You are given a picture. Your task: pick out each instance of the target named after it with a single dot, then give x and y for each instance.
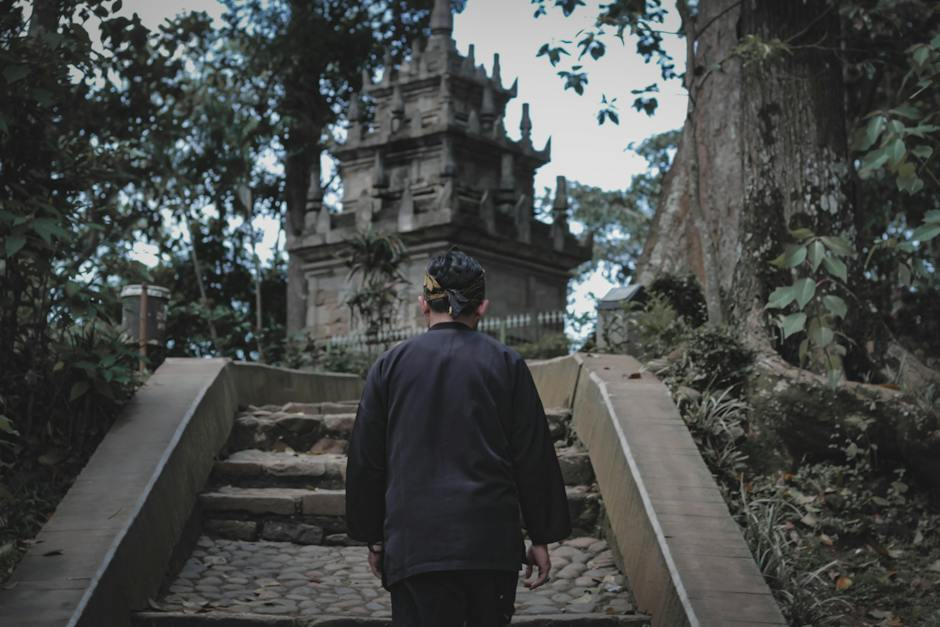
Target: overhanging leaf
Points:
(781, 297)
(13, 73)
(838, 245)
(12, 244)
(792, 323)
(816, 253)
(792, 256)
(78, 390)
(804, 290)
(835, 305)
(836, 267)
(926, 232)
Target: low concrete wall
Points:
(683, 553)
(556, 380)
(106, 549)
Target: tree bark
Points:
(763, 149)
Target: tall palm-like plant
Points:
(376, 260)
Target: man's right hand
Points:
(537, 556)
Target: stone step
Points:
(225, 619)
(298, 431)
(242, 513)
(304, 427)
(257, 468)
(277, 514)
(559, 423)
(575, 463)
(227, 582)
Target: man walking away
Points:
(450, 442)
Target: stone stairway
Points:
(274, 549)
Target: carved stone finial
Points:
(507, 178)
(488, 212)
(323, 221)
(499, 129)
(525, 125)
(446, 197)
(397, 109)
(473, 123)
(497, 78)
(469, 63)
(415, 66)
(523, 216)
(488, 107)
(442, 20)
(354, 112)
(387, 71)
(379, 178)
(560, 213)
(314, 202)
(364, 211)
(406, 210)
(448, 164)
(447, 113)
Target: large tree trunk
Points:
(763, 149)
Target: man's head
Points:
(454, 288)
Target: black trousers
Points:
(461, 598)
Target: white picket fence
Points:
(512, 329)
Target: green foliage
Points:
(812, 304)
(376, 260)
(684, 294)
(546, 347)
(617, 19)
(714, 357)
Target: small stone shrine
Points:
(435, 165)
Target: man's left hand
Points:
(375, 563)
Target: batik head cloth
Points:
(457, 277)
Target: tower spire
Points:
(442, 20)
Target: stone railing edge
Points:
(676, 577)
(118, 535)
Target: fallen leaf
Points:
(843, 583)
(52, 552)
(809, 520)
(635, 375)
(825, 539)
(935, 567)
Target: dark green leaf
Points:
(12, 244)
(923, 151)
(816, 253)
(865, 138)
(835, 305)
(792, 323)
(836, 267)
(13, 73)
(792, 256)
(819, 334)
(781, 297)
(804, 289)
(837, 244)
(78, 390)
(926, 232)
(802, 233)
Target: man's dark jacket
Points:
(450, 440)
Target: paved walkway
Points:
(281, 578)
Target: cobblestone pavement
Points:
(285, 579)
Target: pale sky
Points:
(582, 150)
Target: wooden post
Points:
(142, 327)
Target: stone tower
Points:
(435, 165)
